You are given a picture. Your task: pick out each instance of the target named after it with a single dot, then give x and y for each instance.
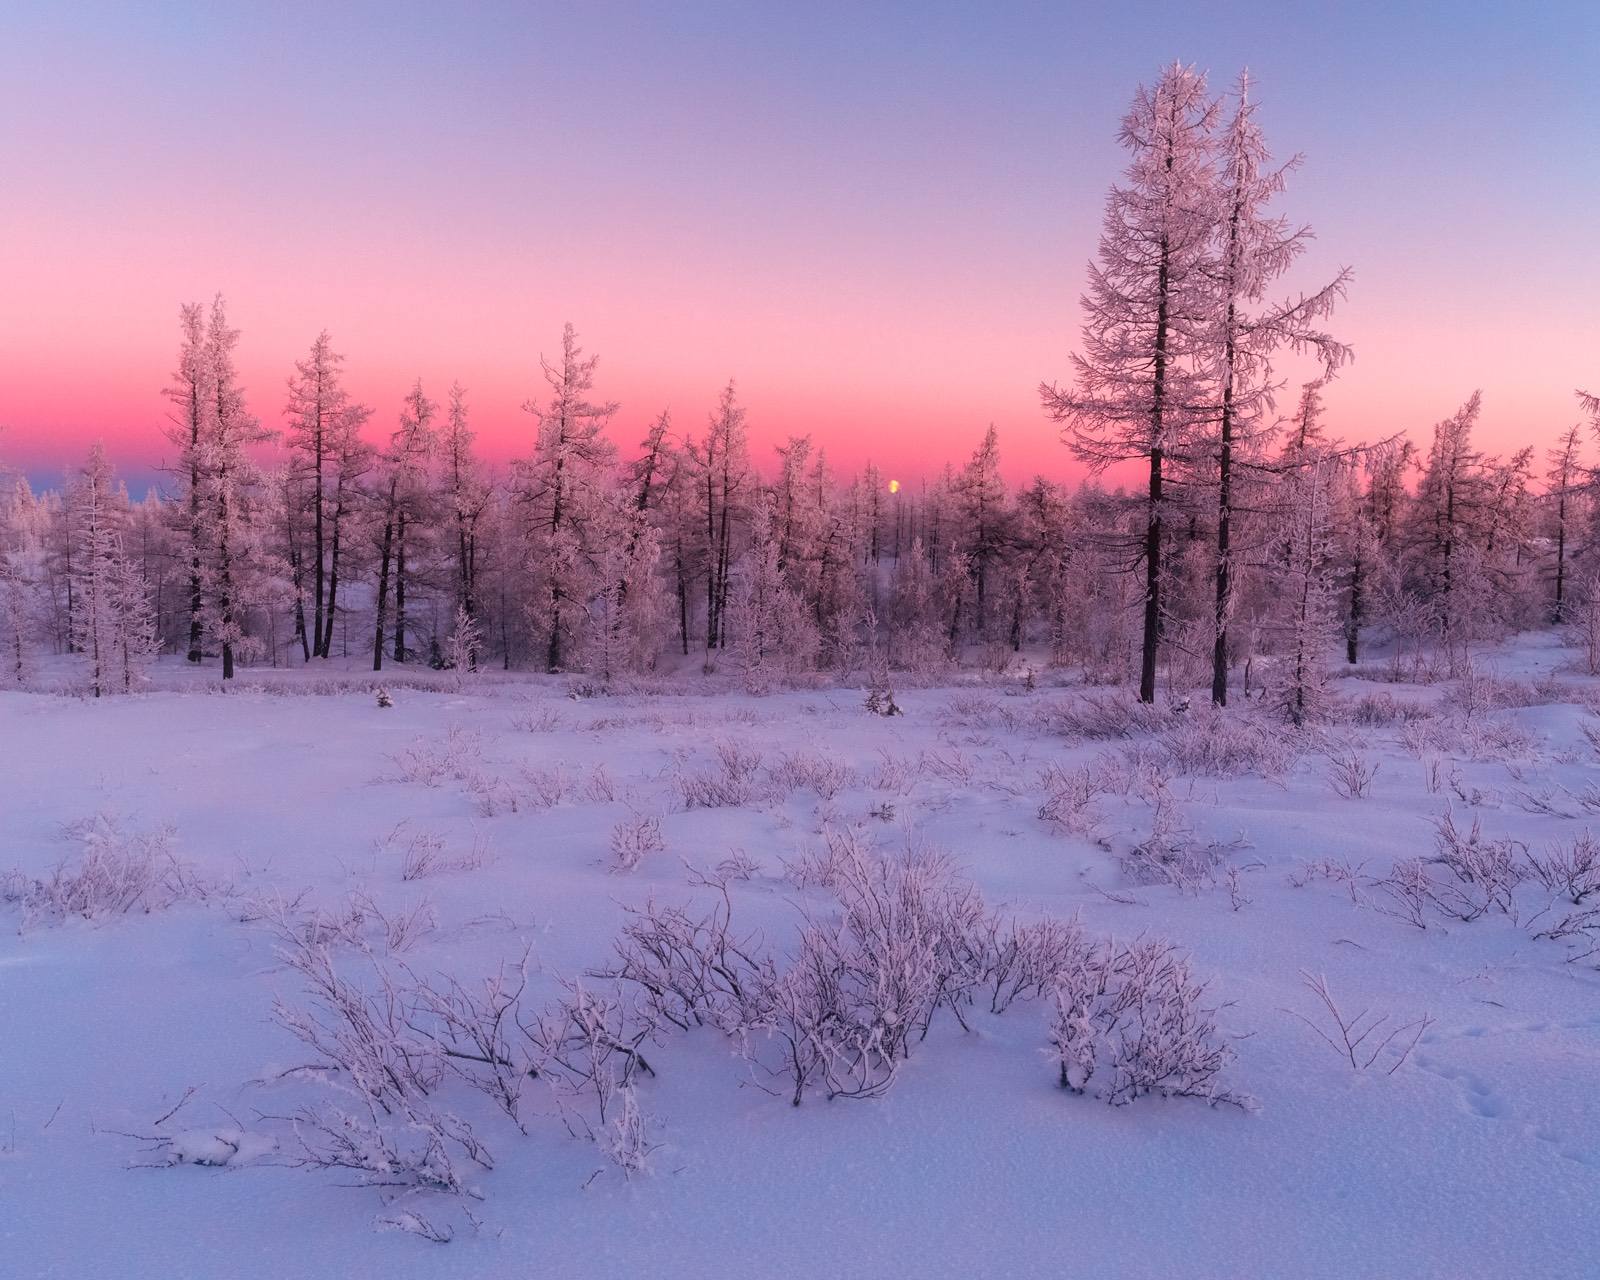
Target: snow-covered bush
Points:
(1100, 717)
(1379, 710)
(1572, 870)
(1173, 853)
(909, 936)
(1350, 773)
(1216, 744)
(1484, 872)
(811, 771)
(379, 1119)
(588, 1045)
(730, 784)
(1132, 1019)
(118, 872)
(1362, 1038)
(635, 836)
(1070, 799)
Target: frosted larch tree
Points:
(329, 458)
(230, 484)
(559, 488)
(190, 399)
(467, 498)
(1136, 382)
(1251, 250)
(722, 473)
(401, 499)
(984, 507)
(1566, 481)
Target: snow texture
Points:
(1418, 866)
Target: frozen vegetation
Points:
(643, 865)
(1026, 980)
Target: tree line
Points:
(1255, 548)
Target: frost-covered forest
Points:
(654, 858)
(1255, 543)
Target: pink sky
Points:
(877, 226)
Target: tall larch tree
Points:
(560, 488)
(231, 490)
(467, 497)
(329, 458)
(721, 463)
(1136, 381)
(1240, 334)
(190, 399)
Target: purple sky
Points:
(875, 218)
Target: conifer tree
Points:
(329, 460)
(191, 399)
(467, 497)
(1240, 335)
(560, 488)
(721, 468)
(1137, 383)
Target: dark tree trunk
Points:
(383, 594)
(400, 588)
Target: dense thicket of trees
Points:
(1257, 547)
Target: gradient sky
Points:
(875, 217)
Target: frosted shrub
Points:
(634, 837)
(1379, 711)
(1023, 961)
(1476, 692)
(897, 774)
(1132, 1020)
(546, 788)
(1070, 795)
(118, 872)
(1499, 740)
(1484, 873)
(477, 1030)
(692, 970)
(624, 1142)
(1101, 717)
(812, 772)
(539, 718)
(1572, 870)
(968, 710)
(432, 761)
(427, 853)
(1215, 745)
(1350, 773)
(1173, 853)
(588, 1046)
(380, 1121)
(729, 785)
(1362, 1038)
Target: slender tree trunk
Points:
(224, 578)
(1561, 555)
(383, 594)
(326, 647)
(319, 645)
(400, 588)
(1152, 533)
(1352, 635)
(1219, 648)
(195, 601)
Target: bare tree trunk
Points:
(383, 594)
(400, 588)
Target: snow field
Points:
(456, 831)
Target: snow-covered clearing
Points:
(185, 862)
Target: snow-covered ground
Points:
(271, 815)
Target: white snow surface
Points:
(1477, 1155)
